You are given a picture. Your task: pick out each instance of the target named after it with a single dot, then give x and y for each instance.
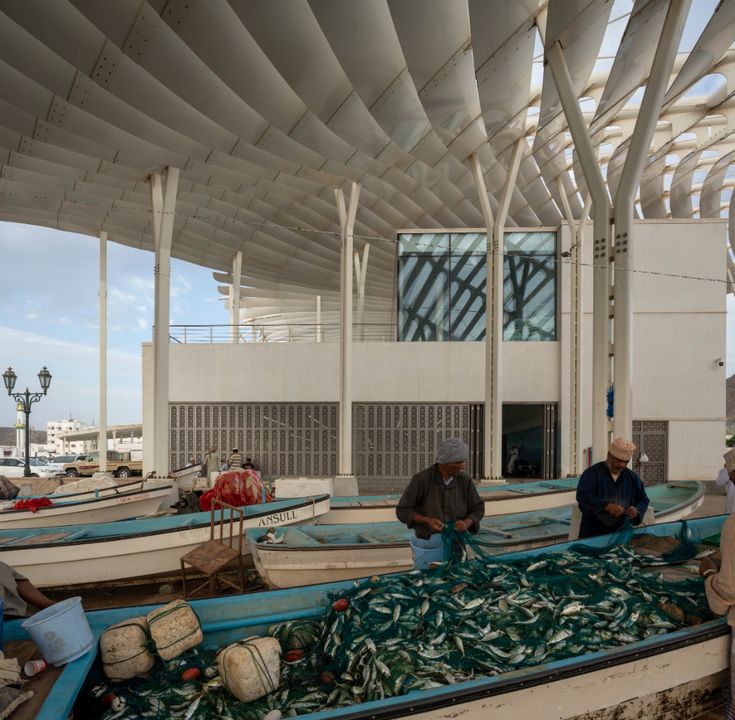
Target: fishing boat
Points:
(499, 500)
(86, 509)
(327, 553)
(113, 552)
(676, 674)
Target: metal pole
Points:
(102, 438)
(347, 224)
(601, 248)
(624, 201)
(235, 296)
(576, 316)
(27, 411)
(164, 207)
(361, 266)
(318, 318)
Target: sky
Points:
(49, 315)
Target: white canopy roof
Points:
(267, 107)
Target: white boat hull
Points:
(108, 508)
(674, 685)
(119, 559)
(502, 504)
(286, 567)
(281, 566)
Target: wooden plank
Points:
(42, 539)
(41, 684)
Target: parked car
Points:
(15, 467)
(43, 462)
(63, 459)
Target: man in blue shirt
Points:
(608, 492)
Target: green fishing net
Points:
(398, 634)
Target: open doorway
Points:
(529, 441)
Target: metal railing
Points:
(286, 333)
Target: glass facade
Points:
(442, 279)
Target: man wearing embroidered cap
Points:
(609, 491)
(442, 493)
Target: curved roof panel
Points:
(267, 108)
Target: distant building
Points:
(55, 427)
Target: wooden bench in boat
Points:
(38, 538)
(369, 539)
(297, 538)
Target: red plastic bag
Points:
(236, 487)
(32, 504)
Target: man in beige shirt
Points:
(719, 583)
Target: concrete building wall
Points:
(679, 332)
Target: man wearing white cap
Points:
(609, 491)
(442, 493)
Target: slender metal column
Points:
(576, 318)
(493, 430)
(347, 224)
(624, 201)
(361, 268)
(601, 213)
(102, 438)
(235, 296)
(164, 206)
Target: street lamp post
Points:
(27, 399)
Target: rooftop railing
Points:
(286, 333)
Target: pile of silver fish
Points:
(398, 634)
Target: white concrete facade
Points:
(679, 334)
(54, 427)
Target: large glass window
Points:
(442, 279)
(529, 292)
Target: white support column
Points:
(345, 479)
(601, 213)
(493, 425)
(576, 318)
(635, 160)
(102, 441)
(491, 376)
(318, 318)
(235, 296)
(361, 267)
(164, 206)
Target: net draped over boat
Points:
(396, 634)
(236, 487)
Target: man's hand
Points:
(707, 563)
(463, 525)
(632, 512)
(614, 509)
(435, 524)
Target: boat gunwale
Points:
(113, 489)
(133, 535)
(77, 503)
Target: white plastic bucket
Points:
(428, 551)
(61, 632)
